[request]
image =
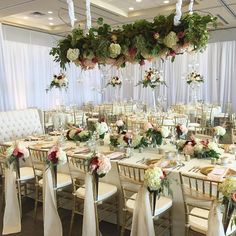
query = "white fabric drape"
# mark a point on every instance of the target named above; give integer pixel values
(12, 217)
(26, 69)
(215, 226)
(89, 217)
(51, 219)
(142, 222)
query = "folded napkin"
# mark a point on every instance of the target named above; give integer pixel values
(218, 173)
(81, 150)
(115, 155)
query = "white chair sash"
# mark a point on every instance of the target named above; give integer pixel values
(89, 217)
(12, 216)
(215, 226)
(52, 222)
(142, 222)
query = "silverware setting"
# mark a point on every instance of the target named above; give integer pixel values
(194, 169)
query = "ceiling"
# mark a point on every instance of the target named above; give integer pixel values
(36, 14)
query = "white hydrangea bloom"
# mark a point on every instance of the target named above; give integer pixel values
(72, 54)
(171, 40)
(114, 50)
(165, 131)
(102, 128)
(153, 177)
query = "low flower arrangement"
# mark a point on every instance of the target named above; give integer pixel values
(194, 77)
(152, 79)
(16, 152)
(114, 140)
(139, 141)
(101, 129)
(77, 134)
(228, 189)
(156, 134)
(181, 131)
(125, 139)
(199, 148)
(56, 156)
(120, 124)
(59, 81)
(114, 82)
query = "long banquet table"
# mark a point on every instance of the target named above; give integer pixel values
(149, 153)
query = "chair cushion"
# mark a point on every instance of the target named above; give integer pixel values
(104, 191)
(198, 224)
(26, 173)
(162, 204)
(63, 180)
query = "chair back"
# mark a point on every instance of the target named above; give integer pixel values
(233, 134)
(38, 158)
(198, 192)
(204, 132)
(3, 148)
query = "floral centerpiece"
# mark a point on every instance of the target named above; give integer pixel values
(181, 131)
(228, 189)
(155, 180)
(101, 129)
(114, 140)
(120, 124)
(199, 148)
(59, 81)
(125, 139)
(99, 166)
(114, 82)
(194, 77)
(219, 132)
(78, 134)
(152, 78)
(156, 134)
(139, 141)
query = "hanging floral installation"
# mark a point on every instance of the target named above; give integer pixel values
(134, 43)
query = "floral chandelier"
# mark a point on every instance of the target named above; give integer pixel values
(164, 37)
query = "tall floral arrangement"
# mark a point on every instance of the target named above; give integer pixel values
(136, 42)
(152, 78)
(59, 81)
(114, 82)
(194, 77)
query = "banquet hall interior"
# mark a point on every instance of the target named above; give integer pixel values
(118, 117)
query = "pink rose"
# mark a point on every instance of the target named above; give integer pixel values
(188, 149)
(147, 126)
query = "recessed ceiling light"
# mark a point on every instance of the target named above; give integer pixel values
(51, 23)
(131, 8)
(50, 12)
(26, 17)
(138, 0)
(50, 18)
(166, 1)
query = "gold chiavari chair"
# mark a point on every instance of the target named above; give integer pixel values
(107, 198)
(131, 178)
(204, 132)
(233, 135)
(198, 195)
(79, 117)
(63, 181)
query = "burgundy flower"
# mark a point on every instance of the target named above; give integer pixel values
(205, 142)
(172, 53)
(52, 156)
(94, 164)
(142, 62)
(17, 153)
(178, 130)
(180, 35)
(132, 52)
(234, 196)
(78, 130)
(94, 60)
(59, 77)
(102, 119)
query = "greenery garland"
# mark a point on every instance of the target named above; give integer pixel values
(137, 42)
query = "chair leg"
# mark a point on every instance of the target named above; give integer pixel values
(72, 216)
(36, 202)
(118, 213)
(170, 222)
(186, 230)
(19, 196)
(123, 223)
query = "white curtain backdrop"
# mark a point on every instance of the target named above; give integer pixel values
(26, 69)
